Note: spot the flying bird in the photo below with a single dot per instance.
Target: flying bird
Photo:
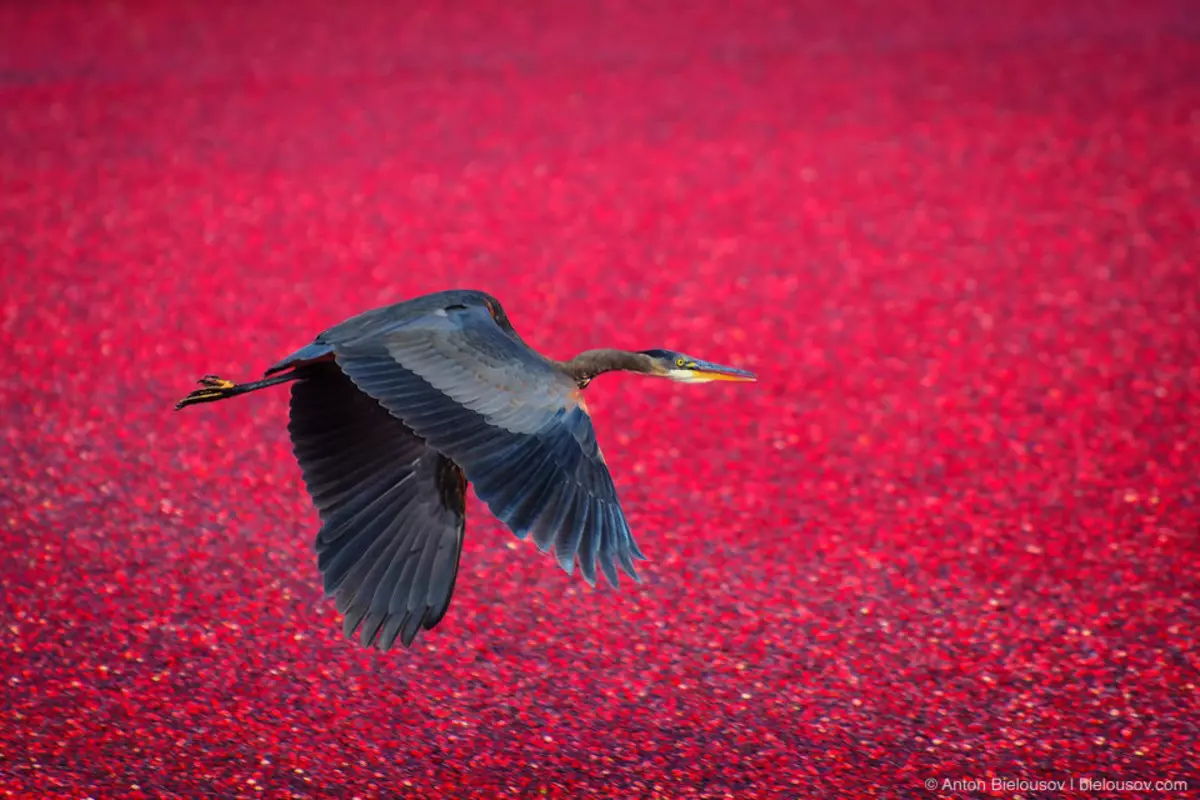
(394, 411)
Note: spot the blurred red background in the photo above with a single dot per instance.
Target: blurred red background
(951, 534)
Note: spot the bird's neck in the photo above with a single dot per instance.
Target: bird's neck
(591, 363)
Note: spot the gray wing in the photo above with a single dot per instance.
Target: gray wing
(393, 510)
(514, 422)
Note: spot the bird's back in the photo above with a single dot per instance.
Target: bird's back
(380, 320)
(377, 323)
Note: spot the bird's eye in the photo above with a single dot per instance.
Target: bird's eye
(681, 362)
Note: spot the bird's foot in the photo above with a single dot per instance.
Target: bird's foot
(213, 382)
(214, 389)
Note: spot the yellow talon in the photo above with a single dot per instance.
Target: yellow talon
(213, 382)
(214, 389)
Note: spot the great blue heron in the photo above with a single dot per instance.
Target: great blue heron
(395, 410)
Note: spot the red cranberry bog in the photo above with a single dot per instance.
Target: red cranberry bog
(948, 540)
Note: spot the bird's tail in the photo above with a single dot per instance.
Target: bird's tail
(214, 388)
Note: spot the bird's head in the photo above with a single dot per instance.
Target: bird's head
(685, 369)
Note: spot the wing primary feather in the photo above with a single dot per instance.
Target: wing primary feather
(370, 626)
(378, 567)
(607, 551)
(351, 620)
(378, 495)
(346, 506)
(336, 558)
(398, 604)
(590, 532)
(627, 563)
(551, 521)
(343, 562)
(630, 542)
(567, 544)
(419, 590)
(409, 528)
(391, 629)
(444, 572)
(604, 526)
(412, 624)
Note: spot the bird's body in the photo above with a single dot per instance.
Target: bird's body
(394, 411)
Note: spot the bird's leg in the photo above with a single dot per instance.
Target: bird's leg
(215, 388)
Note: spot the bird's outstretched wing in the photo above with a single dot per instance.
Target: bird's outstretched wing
(513, 421)
(393, 510)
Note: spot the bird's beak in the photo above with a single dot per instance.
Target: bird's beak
(705, 371)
